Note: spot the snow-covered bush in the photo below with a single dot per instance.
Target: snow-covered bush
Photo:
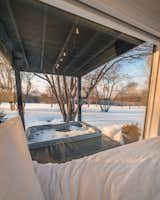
(130, 133)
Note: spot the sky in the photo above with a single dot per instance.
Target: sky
(137, 70)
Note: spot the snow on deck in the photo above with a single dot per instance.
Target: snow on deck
(110, 123)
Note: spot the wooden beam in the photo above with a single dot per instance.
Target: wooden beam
(106, 47)
(17, 32)
(19, 96)
(83, 51)
(43, 36)
(4, 39)
(79, 100)
(65, 45)
(99, 61)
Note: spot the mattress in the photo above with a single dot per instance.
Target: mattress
(129, 172)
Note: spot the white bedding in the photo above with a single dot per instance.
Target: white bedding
(130, 172)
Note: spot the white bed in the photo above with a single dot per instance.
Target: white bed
(130, 172)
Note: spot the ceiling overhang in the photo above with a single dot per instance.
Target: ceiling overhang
(42, 38)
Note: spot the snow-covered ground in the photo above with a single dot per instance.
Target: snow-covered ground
(110, 123)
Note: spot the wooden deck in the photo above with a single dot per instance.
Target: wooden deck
(107, 143)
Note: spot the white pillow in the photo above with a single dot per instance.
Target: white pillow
(17, 177)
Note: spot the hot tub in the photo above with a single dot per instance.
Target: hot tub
(62, 142)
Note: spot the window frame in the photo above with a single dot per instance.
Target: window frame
(152, 117)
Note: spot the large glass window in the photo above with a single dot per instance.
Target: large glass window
(67, 62)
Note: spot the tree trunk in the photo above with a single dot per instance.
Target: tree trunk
(105, 107)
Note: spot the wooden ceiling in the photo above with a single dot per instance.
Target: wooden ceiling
(43, 39)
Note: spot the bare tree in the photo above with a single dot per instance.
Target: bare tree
(50, 95)
(65, 88)
(110, 86)
(93, 97)
(139, 53)
(27, 80)
(129, 89)
(144, 95)
(131, 94)
(7, 85)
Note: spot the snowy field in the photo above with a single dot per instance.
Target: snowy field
(110, 123)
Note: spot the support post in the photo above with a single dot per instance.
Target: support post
(19, 95)
(79, 100)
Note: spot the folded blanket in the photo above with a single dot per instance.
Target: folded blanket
(130, 172)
